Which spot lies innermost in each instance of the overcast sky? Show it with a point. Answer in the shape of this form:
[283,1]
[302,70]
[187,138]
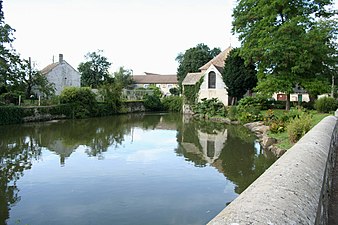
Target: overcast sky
[142,35]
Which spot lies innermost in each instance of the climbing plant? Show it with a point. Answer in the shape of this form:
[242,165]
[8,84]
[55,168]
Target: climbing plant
[191,92]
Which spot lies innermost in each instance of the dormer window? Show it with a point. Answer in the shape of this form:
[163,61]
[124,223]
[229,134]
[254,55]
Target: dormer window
[212,80]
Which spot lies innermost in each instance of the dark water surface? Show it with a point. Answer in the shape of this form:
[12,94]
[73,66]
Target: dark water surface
[131,169]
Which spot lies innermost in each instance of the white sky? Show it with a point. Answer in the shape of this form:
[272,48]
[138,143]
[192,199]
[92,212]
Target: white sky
[142,35]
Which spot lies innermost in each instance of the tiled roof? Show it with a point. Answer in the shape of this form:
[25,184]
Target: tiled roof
[49,68]
[192,78]
[218,61]
[155,79]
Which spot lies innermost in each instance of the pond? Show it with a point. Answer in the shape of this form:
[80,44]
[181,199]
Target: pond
[126,169]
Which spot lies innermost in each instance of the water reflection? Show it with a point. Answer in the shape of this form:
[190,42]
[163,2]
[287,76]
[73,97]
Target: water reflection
[232,150]
[229,149]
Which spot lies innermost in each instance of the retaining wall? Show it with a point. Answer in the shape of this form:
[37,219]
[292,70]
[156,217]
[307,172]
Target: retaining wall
[295,189]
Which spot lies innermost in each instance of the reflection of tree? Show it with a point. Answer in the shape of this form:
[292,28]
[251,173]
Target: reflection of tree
[238,160]
[16,155]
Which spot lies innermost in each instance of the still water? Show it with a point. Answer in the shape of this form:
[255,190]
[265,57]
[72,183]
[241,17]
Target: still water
[130,169]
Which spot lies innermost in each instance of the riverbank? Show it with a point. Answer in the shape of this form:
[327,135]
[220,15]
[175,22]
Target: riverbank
[17,114]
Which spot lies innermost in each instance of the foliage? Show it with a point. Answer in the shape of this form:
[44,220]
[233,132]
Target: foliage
[298,127]
[260,102]
[326,104]
[123,77]
[112,95]
[210,108]
[83,99]
[232,113]
[156,91]
[174,91]
[94,71]
[11,114]
[172,103]
[289,42]
[152,103]
[249,114]
[190,92]
[11,97]
[193,59]
[237,76]
[10,60]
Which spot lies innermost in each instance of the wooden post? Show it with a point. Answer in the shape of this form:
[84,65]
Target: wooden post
[39,100]
[19,100]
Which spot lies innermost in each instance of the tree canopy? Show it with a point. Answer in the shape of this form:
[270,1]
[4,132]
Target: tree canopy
[237,76]
[94,72]
[193,59]
[9,60]
[290,41]
[123,77]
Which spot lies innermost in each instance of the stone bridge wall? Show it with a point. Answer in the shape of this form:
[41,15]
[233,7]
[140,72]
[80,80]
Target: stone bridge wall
[295,189]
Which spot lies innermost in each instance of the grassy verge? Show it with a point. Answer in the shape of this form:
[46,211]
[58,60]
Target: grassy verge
[282,137]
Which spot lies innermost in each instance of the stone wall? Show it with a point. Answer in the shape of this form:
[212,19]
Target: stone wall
[134,107]
[295,189]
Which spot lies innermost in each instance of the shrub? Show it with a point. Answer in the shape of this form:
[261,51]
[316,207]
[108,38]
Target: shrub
[83,100]
[152,103]
[11,114]
[210,107]
[173,103]
[250,114]
[326,104]
[256,101]
[232,113]
[298,127]
[174,91]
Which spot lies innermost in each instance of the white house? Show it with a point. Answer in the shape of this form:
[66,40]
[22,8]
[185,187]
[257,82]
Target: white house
[163,82]
[62,75]
[212,85]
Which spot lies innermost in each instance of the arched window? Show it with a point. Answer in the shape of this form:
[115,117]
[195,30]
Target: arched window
[212,80]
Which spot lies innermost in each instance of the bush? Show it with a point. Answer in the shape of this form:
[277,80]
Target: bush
[210,107]
[173,103]
[83,100]
[232,113]
[152,103]
[326,104]
[298,127]
[250,114]
[11,114]
[259,102]
[12,97]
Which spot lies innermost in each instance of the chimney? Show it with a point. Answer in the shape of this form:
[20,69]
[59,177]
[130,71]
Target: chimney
[60,58]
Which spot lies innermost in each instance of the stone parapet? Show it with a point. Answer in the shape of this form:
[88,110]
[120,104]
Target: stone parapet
[295,189]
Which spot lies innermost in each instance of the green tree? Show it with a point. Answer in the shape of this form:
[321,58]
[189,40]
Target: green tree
[289,41]
[123,78]
[94,72]
[30,81]
[9,60]
[238,77]
[193,59]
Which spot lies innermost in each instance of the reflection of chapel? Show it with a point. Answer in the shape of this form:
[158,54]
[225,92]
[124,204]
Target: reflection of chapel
[212,145]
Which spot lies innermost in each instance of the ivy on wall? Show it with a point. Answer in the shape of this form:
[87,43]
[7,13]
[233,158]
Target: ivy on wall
[191,92]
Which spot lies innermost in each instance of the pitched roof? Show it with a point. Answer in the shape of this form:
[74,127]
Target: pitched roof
[192,78]
[155,79]
[218,61]
[49,68]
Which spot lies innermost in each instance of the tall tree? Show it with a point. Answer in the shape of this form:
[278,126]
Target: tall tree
[9,60]
[290,41]
[238,77]
[123,78]
[193,59]
[94,72]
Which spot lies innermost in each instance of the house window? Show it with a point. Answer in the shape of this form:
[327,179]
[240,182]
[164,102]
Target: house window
[170,86]
[212,80]
[146,85]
